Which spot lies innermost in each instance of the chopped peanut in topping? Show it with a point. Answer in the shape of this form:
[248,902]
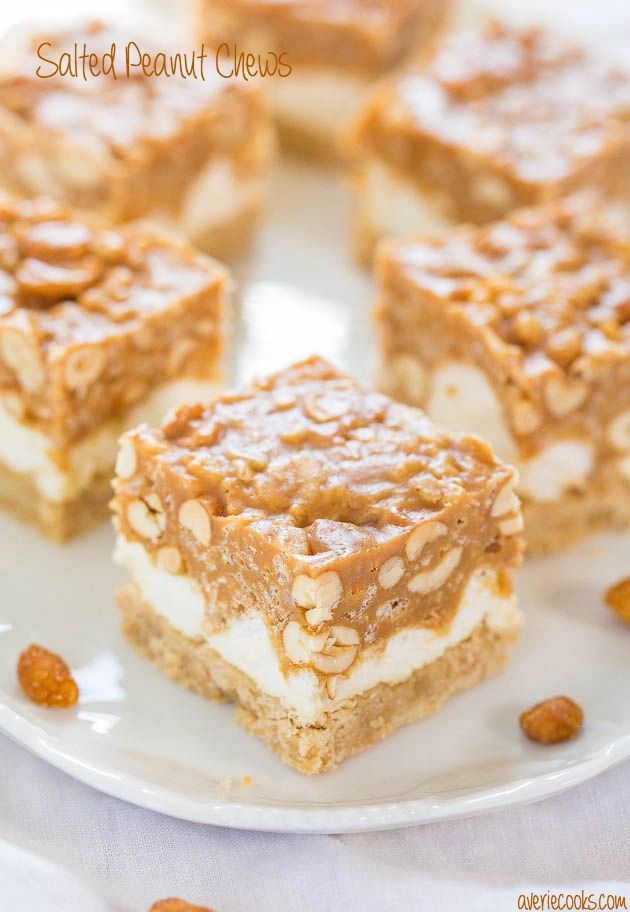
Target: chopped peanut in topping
[46,679]
[617,598]
[553,720]
[176,905]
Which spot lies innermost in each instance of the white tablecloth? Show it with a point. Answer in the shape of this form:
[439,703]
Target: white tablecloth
[67,848]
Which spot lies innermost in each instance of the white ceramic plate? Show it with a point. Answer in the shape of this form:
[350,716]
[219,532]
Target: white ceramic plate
[139,737]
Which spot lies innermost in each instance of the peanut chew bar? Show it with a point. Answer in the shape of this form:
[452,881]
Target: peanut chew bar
[520,331]
[192,154]
[502,118]
[98,330]
[335,50]
[323,556]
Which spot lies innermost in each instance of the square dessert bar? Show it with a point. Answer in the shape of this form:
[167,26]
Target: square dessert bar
[502,118]
[192,154]
[323,556]
[99,329]
[327,54]
[520,331]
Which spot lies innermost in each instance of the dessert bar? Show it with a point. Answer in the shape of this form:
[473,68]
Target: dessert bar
[99,329]
[323,556]
[502,118]
[191,153]
[325,55]
[520,331]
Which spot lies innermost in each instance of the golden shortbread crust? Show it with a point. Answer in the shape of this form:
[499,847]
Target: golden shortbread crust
[354,725]
[234,235]
[551,527]
[58,521]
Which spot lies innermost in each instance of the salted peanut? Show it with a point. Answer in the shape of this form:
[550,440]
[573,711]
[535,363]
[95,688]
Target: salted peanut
[435,577]
[325,407]
[331,652]
[527,328]
[126,460]
[526,417]
[23,357]
[144,520]
[52,281]
[14,404]
[618,431]
[154,501]
[564,395]
[506,500]
[493,191]
[194,517]
[391,572]
[70,239]
[176,905]
[340,635]
[284,400]
[617,598]
[83,367]
[565,345]
[553,720]
[46,679]
[410,377]
[421,536]
[300,644]
[339,651]
[179,353]
[318,595]
[168,558]
[330,685]
[512,525]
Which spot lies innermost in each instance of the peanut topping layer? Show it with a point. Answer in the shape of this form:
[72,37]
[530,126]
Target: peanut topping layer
[311,448]
[538,110]
[339,514]
[106,115]
[91,318]
[540,304]
[71,282]
[552,284]
[358,34]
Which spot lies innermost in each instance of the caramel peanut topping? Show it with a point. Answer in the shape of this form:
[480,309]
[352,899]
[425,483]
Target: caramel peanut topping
[306,462]
[94,318]
[80,282]
[550,285]
[524,101]
[107,117]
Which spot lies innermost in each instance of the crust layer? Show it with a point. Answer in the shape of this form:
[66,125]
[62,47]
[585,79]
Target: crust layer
[318,147]
[58,521]
[551,527]
[232,236]
[351,727]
